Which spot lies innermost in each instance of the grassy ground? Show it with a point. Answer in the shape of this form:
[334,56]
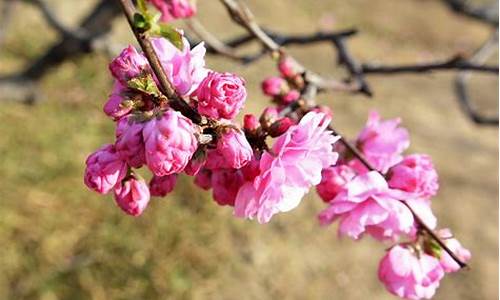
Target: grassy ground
[60,241]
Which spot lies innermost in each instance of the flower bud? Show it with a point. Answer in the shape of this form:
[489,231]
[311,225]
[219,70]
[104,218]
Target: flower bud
[127,65]
[170,143]
[274,86]
[104,169]
[160,186]
[175,9]
[129,143]
[268,117]
[132,196]
[288,67]
[235,149]
[116,106]
[290,97]
[250,123]
[279,127]
[204,179]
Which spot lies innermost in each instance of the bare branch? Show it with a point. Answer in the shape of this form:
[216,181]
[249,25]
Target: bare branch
[486,13]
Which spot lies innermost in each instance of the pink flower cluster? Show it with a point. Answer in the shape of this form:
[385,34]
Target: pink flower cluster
[175,9]
[365,202]
[284,89]
[150,133]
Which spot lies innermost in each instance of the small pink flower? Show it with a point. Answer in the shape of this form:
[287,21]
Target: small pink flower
[160,186]
[175,9]
[221,95]
[408,276]
[170,143]
[132,196]
[449,265]
[203,179]
[288,170]
[114,107]
[104,169]
[184,68]
[274,86]
[333,181]
[383,142]
[129,142]
[290,97]
[368,205]
[225,185]
[234,148]
[415,174]
[128,64]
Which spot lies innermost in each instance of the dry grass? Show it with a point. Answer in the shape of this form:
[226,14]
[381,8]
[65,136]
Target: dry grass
[60,241]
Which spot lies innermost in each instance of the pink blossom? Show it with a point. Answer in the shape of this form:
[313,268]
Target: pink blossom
[170,143]
[333,181]
[104,169]
[225,184]
[221,95]
[129,142]
[383,142]
[175,9]
[184,68]
[288,170]
[128,64]
[132,196]
[269,116]
[160,186]
[449,265]
[195,164]
[115,107]
[368,205]
[274,86]
[415,174]
[234,148]
[410,276]
[203,179]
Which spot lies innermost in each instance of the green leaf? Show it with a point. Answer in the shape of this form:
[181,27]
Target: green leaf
[169,32]
[145,84]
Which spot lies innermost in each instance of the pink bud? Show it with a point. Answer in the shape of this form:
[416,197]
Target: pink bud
[204,179]
[127,65]
[196,163]
[225,184]
[161,186]
[129,143]
[235,149]
[104,169]
[279,127]
[115,106]
[221,95]
[175,9]
[132,196]
[274,86]
[290,97]
[170,143]
[250,122]
[288,67]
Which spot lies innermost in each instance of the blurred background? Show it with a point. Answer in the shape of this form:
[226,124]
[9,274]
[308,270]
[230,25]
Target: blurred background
[61,241]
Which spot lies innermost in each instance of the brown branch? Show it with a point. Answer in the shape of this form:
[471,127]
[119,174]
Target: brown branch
[242,16]
[455,63]
[165,86]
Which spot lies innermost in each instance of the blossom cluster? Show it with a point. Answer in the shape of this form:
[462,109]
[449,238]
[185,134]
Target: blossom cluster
[267,165]
[365,202]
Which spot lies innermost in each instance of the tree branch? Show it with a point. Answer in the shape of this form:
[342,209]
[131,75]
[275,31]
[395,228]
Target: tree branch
[487,13]
[242,16]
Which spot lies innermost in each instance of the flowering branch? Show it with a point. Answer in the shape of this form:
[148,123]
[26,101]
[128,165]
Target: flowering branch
[166,87]
[243,16]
